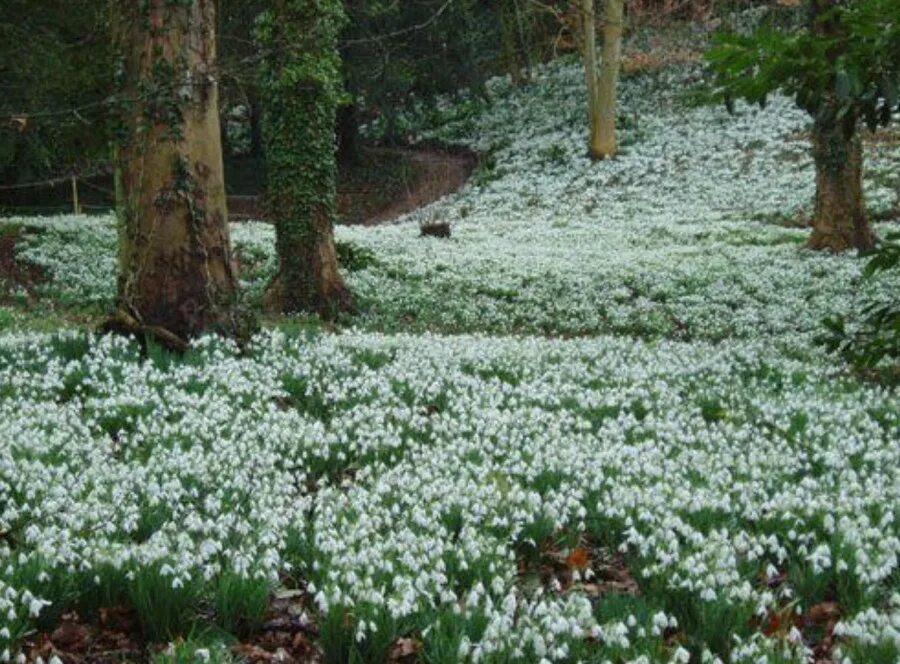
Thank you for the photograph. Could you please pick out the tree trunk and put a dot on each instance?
(840, 221)
(176, 267)
(605, 145)
(301, 90)
(524, 29)
(510, 57)
(589, 55)
(515, 50)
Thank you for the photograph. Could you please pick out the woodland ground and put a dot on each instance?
(594, 425)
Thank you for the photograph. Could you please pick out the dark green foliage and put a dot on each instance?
(301, 87)
(845, 60)
(421, 49)
(393, 53)
(872, 339)
(166, 606)
(239, 92)
(517, 21)
(55, 67)
(240, 602)
(353, 257)
(843, 68)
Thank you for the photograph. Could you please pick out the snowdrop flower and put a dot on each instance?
(681, 656)
(410, 470)
(36, 606)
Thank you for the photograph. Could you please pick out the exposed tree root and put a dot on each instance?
(121, 322)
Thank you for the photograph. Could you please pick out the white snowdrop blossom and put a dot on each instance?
(651, 386)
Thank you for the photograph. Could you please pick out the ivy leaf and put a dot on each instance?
(843, 85)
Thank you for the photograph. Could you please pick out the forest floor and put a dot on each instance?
(431, 173)
(381, 184)
(594, 425)
(14, 273)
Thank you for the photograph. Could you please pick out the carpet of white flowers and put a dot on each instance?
(611, 357)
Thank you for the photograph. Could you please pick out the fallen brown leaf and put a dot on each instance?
(823, 613)
(404, 648)
(252, 653)
(578, 559)
(71, 636)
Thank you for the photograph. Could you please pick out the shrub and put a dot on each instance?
(871, 341)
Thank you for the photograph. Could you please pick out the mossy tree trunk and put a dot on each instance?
(300, 91)
(604, 144)
(176, 271)
(840, 220)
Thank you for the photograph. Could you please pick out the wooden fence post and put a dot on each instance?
(76, 206)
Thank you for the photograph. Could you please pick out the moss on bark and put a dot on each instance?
(840, 222)
(301, 88)
(175, 259)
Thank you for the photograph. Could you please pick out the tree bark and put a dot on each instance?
(840, 222)
(300, 90)
(524, 36)
(515, 48)
(589, 56)
(176, 267)
(605, 145)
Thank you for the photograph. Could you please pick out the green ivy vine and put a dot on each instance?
(301, 88)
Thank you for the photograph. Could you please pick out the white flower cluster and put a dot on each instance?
(401, 476)
(873, 628)
(403, 479)
(690, 233)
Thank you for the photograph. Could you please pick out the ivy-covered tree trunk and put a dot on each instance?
(840, 220)
(605, 145)
(300, 90)
(176, 273)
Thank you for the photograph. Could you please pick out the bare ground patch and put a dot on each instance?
(387, 183)
(16, 275)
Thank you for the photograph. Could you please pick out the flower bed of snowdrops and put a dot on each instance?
(401, 479)
(689, 233)
(612, 360)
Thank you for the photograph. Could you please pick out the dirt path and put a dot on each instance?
(15, 275)
(435, 174)
(388, 183)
